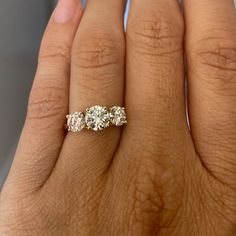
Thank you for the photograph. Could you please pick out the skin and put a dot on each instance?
(158, 175)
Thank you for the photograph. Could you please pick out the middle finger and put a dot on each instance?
(155, 79)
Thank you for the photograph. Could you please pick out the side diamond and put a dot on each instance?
(118, 116)
(76, 122)
(97, 118)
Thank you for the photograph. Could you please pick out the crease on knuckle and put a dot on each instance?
(106, 79)
(154, 34)
(151, 201)
(46, 103)
(216, 56)
(97, 52)
(55, 51)
(146, 208)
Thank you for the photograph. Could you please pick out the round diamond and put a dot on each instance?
(97, 118)
(118, 116)
(76, 122)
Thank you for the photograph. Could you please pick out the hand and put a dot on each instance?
(156, 176)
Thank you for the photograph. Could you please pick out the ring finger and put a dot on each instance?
(97, 76)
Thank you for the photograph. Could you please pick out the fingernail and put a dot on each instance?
(65, 11)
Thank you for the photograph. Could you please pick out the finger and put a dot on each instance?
(154, 153)
(154, 81)
(97, 76)
(211, 52)
(43, 133)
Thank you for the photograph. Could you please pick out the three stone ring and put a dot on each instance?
(96, 118)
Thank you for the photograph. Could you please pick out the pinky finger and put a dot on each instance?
(43, 135)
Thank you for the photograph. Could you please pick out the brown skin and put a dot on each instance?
(154, 177)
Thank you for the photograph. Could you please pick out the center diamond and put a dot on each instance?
(97, 118)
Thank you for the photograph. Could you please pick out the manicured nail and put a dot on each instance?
(65, 10)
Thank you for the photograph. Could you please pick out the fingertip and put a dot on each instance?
(67, 10)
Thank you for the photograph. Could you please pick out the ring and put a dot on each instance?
(96, 118)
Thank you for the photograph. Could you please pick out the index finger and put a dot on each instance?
(43, 133)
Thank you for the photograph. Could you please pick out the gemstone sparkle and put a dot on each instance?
(118, 116)
(97, 118)
(76, 122)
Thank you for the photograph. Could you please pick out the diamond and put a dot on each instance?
(97, 118)
(76, 122)
(118, 116)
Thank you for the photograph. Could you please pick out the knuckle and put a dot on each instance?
(151, 196)
(99, 50)
(155, 33)
(46, 102)
(55, 51)
(215, 56)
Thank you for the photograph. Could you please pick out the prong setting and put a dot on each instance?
(75, 122)
(96, 118)
(118, 116)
